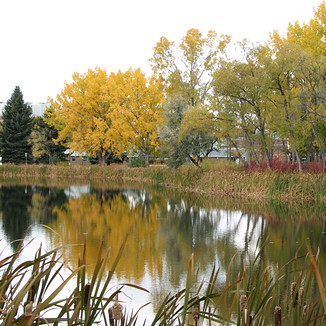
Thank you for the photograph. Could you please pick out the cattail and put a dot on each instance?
(278, 316)
(294, 294)
(305, 309)
(86, 294)
(196, 312)
(250, 320)
(28, 309)
(117, 313)
(243, 303)
(243, 309)
(301, 292)
(111, 320)
(31, 293)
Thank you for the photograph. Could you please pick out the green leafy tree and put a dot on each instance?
(242, 87)
(187, 134)
(17, 126)
(44, 149)
(309, 39)
(187, 68)
(174, 109)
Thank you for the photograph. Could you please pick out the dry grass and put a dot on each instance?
(221, 180)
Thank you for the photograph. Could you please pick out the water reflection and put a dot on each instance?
(165, 229)
(14, 205)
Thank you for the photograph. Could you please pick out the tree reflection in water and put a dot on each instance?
(165, 229)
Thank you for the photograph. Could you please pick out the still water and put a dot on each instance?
(165, 227)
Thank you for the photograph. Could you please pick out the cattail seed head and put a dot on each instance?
(87, 294)
(243, 303)
(293, 287)
(31, 293)
(278, 316)
(117, 311)
(301, 292)
(294, 294)
(111, 320)
(305, 309)
(28, 309)
(196, 311)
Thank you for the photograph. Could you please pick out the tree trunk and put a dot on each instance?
(286, 106)
(101, 158)
(263, 140)
(146, 151)
(195, 162)
(295, 151)
(251, 147)
(228, 137)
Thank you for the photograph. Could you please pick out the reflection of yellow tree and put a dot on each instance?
(109, 220)
(43, 201)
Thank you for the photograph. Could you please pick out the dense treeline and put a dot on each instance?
(266, 102)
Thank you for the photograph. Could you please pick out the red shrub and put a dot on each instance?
(284, 166)
(314, 167)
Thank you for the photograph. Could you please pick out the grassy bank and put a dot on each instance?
(221, 181)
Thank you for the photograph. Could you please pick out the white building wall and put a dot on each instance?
(37, 107)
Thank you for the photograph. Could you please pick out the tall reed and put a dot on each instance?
(220, 181)
(259, 296)
(33, 292)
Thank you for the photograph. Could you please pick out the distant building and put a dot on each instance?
(76, 158)
(38, 108)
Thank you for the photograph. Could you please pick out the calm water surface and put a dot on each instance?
(165, 228)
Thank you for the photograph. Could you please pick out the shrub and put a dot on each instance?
(284, 166)
(137, 162)
(314, 167)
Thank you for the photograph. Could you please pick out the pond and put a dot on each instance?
(165, 228)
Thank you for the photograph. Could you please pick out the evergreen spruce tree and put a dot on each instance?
(16, 128)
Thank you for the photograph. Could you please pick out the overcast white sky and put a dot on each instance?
(43, 42)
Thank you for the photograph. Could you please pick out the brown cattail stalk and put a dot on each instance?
(294, 294)
(243, 303)
(31, 293)
(87, 294)
(305, 309)
(111, 320)
(196, 312)
(278, 316)
(301, 292)
(243, 309)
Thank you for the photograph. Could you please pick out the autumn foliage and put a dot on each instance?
(271, 97)
(101, 114)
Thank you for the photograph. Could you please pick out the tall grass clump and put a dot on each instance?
(258, 296)
(46, 291)
(35, 292)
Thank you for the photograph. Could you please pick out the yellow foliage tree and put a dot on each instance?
(85, 117)
(138, 100)
(102, 115)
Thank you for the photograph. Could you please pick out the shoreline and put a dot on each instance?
(228, 183)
